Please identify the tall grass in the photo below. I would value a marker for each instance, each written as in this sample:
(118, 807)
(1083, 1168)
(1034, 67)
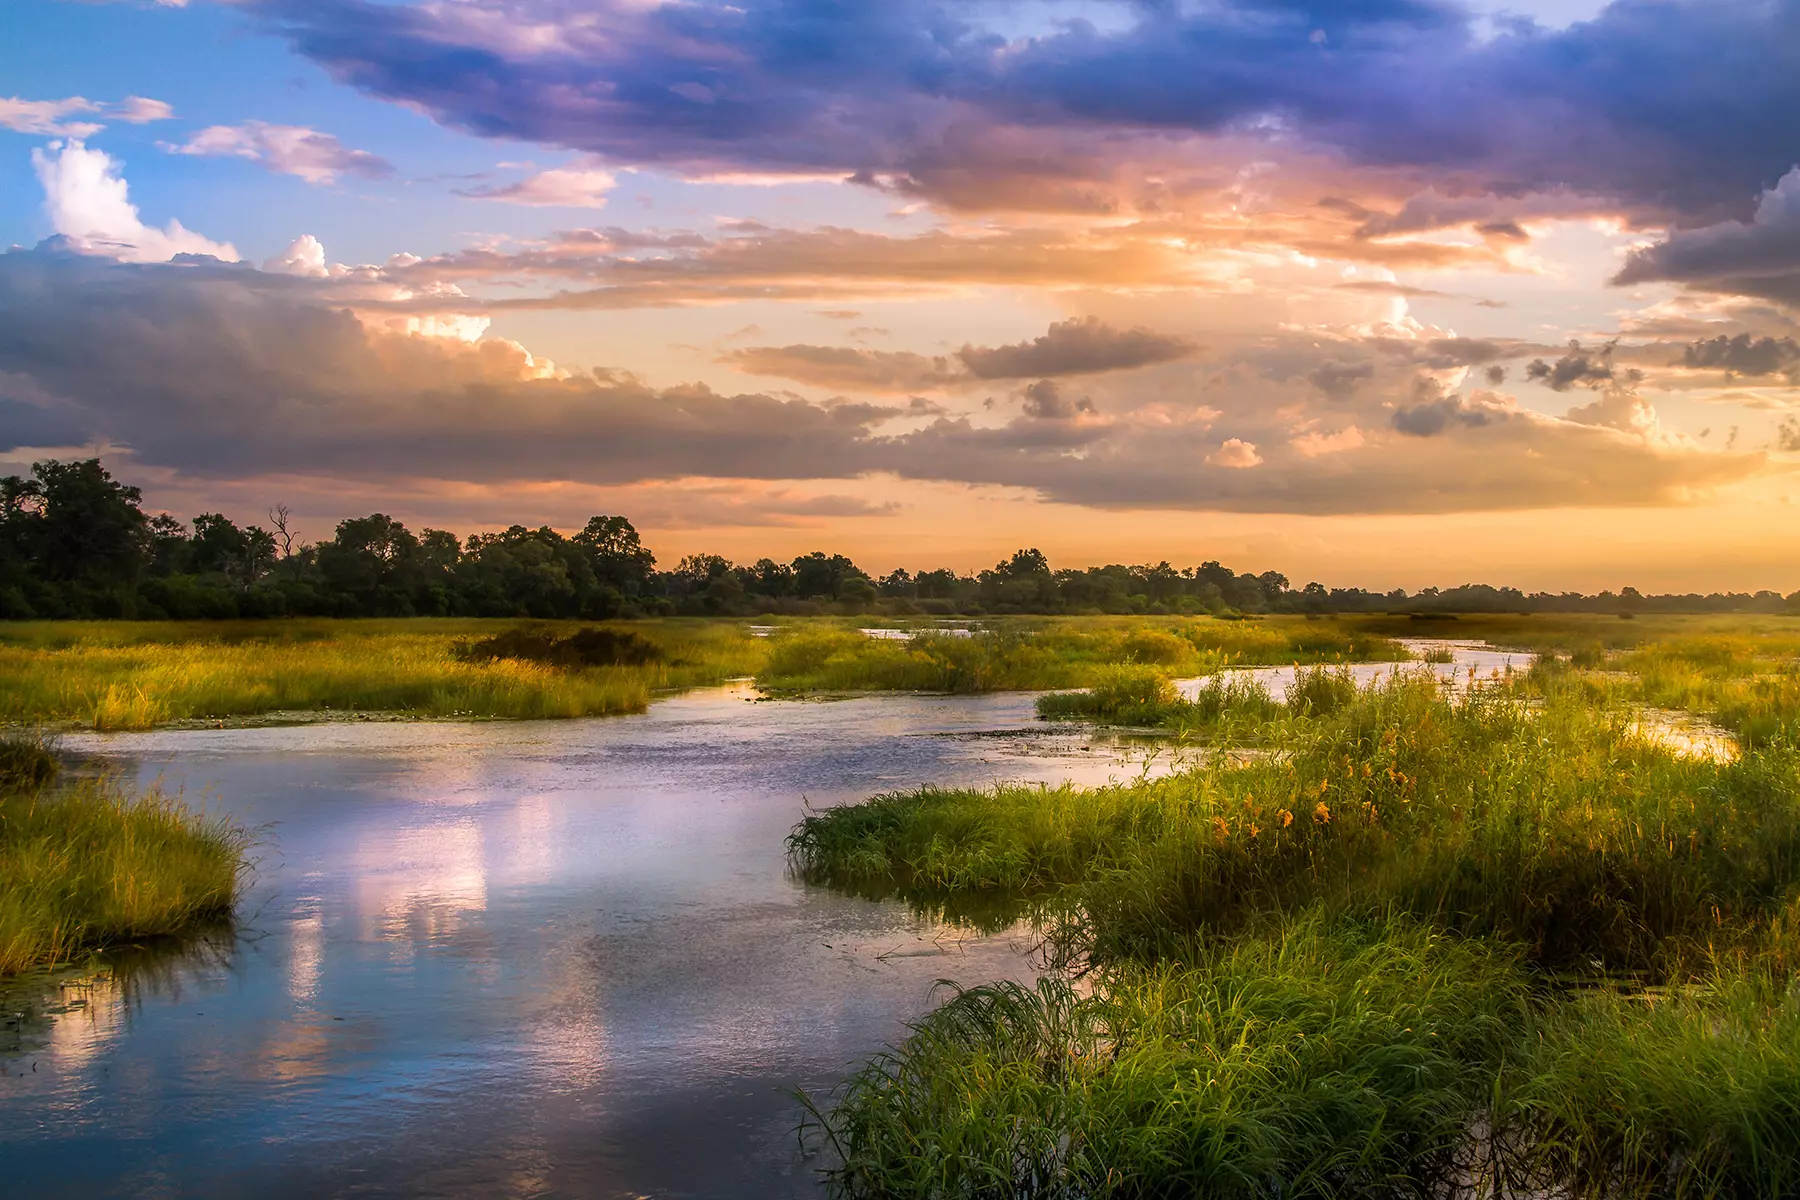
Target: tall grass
(1601, 937)
(134, 676)
(1552, 825)
(1318, 1062)
(85, 865)
(1044, 654)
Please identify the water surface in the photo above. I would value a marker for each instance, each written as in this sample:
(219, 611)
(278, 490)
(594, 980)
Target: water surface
(495, 959)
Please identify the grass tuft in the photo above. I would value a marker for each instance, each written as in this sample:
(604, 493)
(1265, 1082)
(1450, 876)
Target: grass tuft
(86, 866)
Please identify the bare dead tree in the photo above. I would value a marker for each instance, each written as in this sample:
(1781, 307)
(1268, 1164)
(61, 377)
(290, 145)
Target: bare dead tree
(284, 537)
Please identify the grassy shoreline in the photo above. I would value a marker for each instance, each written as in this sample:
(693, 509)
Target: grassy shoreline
(86, 865)
(1424, 944)
(140, 675)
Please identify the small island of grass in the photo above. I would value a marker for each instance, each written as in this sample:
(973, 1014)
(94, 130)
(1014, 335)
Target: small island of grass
(87, 866)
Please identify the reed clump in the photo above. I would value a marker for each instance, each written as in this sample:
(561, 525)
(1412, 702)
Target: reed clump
(86, 865)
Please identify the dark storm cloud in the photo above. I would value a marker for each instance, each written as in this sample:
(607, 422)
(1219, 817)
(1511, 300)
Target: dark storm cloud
(1675, 106)
(1745, 355)
(1758, 257)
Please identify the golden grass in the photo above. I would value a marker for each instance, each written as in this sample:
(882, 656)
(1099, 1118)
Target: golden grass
(136, 675)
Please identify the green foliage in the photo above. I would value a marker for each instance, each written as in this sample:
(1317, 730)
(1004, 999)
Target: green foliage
(87, 866)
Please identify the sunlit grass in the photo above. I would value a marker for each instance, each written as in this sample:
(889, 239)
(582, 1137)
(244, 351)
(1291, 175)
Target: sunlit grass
(1035, 654)
(1578, 951)
(87, 865)
(119, 675)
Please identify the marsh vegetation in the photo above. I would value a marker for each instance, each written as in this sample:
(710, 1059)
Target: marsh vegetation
(86, 865)
(1424, 941)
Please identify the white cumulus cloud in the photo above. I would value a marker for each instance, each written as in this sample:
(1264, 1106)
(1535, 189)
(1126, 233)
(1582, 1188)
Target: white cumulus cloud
(89, 203)
(1235, 452)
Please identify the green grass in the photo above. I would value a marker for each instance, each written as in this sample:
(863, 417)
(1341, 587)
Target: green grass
(1636, 915)
(126, 675)
(1317, 1062)
(1036, 654)
(85, 865)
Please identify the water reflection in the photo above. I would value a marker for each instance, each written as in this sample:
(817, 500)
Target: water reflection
(544, 958)
(1462, 663)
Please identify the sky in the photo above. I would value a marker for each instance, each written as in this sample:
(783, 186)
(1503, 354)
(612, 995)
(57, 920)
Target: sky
(1375, 292)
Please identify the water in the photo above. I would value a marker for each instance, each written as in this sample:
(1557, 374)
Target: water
(498, 959)
(1465, 656)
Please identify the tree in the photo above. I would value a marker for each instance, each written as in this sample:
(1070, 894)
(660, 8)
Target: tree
(616, 554)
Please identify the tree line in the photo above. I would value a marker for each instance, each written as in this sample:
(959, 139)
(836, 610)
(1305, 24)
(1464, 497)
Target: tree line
(75, 542)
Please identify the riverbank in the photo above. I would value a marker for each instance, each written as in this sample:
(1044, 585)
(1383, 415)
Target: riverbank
(1429, 940)
(141, 675)
(86, 865)
(116, 675)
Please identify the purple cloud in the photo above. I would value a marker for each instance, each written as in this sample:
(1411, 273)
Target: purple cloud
(1673, 107)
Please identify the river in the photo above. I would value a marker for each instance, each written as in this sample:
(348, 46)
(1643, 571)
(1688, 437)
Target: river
(506, 959)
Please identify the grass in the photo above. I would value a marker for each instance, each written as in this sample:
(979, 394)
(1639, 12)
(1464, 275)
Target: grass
(1634, 916)
(1047, 653)
(1318, 1062)
(129, 675)
(85, 866)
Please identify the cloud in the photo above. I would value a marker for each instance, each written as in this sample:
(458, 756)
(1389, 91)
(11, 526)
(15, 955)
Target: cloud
(1314, 444)
(1429, 418)
(1760, 257)
(49, 118)
(1079, 346)
(1045, 401)
(88, 203)
(1579, 367)
(562, 187)
(1746, 355)
(213, 371)
(1677, 107)
(1236, 454)
(847, 368)
(141, 110)
(318, 158)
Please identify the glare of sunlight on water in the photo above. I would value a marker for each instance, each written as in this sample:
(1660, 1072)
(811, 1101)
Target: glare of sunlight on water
(1685, 734)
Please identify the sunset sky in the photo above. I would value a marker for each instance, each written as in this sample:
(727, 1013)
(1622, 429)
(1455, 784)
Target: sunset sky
(1376, 292)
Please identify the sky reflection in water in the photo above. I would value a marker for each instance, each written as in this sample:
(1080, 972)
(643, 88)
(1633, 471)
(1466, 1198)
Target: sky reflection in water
(515, 959)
